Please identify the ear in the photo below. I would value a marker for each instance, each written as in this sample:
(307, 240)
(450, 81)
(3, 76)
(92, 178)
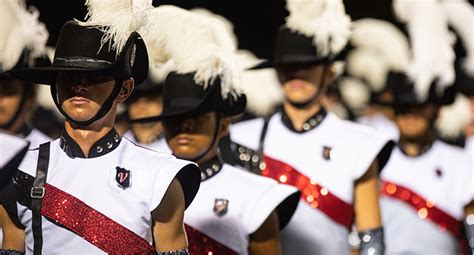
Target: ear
(126, 91)
(224, 127)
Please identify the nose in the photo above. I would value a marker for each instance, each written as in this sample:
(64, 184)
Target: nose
(79, 87)
(187, 126)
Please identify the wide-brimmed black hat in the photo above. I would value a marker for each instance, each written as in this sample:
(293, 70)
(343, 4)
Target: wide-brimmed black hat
(183, 97)
(405, 95)
(292, 47)
(80, 49)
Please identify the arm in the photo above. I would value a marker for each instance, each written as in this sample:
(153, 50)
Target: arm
(265, 240)
(13, 237)
(469, 225)
(367, 212)
(168, 226)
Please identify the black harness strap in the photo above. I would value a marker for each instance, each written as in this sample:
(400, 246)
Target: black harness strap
(37, 194)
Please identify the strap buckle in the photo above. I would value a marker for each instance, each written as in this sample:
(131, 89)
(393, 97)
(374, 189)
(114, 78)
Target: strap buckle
(37, 192)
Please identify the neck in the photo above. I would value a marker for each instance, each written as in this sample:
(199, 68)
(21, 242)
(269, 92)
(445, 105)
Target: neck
(85, 137)
(299, 116)
(209, 156)
(415, 147)
(146, 133)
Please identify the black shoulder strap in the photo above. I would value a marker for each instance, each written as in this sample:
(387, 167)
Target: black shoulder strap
(37, 194)
(263, 134)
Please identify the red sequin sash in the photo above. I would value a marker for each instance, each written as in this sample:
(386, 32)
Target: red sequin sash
(312, 193)
(93, 226)
(200, 243)
(426, 209)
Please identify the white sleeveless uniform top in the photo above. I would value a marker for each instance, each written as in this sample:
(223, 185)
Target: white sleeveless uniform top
(10, 146)
(159, 145)
(415, 190)
(232, 204)
(329, 157)
(36, 137)
(382, 124)
(94, 182)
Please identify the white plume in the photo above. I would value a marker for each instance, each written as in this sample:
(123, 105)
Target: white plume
(229, 27)
(20, 30)
(355, 93)
(184, 42)
(262, 87)
(324, 20)
(118, 19)
(453, 118)
(368, 64)
(461, 16)
(433, 55)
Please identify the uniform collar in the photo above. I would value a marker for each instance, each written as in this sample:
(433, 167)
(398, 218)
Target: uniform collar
(424, 149)
(211, 168)
(309, 124)
(104, 145)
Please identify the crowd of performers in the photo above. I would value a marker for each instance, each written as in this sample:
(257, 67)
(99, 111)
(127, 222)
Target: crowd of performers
(357, 137)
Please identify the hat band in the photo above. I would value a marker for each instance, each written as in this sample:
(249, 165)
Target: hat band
(81, 62)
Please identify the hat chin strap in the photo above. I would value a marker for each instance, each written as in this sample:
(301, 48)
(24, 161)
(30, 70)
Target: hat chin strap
(214, 139)
(9, 124)
(104, 109)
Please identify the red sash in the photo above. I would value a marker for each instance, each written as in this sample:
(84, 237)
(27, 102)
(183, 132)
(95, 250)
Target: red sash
(200, 243)
(314, 194)
(425, 208)
(93, 226)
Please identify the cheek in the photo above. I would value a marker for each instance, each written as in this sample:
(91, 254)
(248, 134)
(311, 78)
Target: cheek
(8, 107)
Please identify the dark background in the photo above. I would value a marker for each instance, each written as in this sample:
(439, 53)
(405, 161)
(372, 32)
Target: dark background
(255, 21)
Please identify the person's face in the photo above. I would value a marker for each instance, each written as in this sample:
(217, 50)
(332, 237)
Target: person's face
(11, 91)
(415, 122)
(301, 83)
(82, 95)
(190, 137)
(146, 106)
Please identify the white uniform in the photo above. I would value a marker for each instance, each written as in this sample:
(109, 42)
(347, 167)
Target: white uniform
(10, 147)
(382, 124)
(232, 204)
(95, 182)
(323, 163)
(36, 137)
(423, 200)
(159, 145)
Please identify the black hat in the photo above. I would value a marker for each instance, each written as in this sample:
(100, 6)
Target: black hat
(405, 94)
(316, 32)
(90, 56)
(198, 65)
(182, 96)
(23, 38)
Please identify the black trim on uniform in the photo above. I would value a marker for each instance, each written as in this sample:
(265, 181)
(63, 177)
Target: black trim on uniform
(8, 201)
(25, 130)
(24, 183)
(309, 124)
(11, 252)
(104, 145)
(211, 168)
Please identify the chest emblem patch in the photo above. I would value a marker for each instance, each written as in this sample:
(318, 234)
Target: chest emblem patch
(327, 152)
(220, 206)
(123, 177)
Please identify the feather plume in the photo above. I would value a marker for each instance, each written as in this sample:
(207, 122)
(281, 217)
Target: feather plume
(355, 93)
(118, 19)
(262, 87)
(20, 30)
(324, 20)
(460, 15)
(184, 42)
(453, 118)
(433, 55)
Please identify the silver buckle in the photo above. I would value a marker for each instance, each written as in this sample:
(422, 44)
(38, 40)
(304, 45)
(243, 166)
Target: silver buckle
(37, 192)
